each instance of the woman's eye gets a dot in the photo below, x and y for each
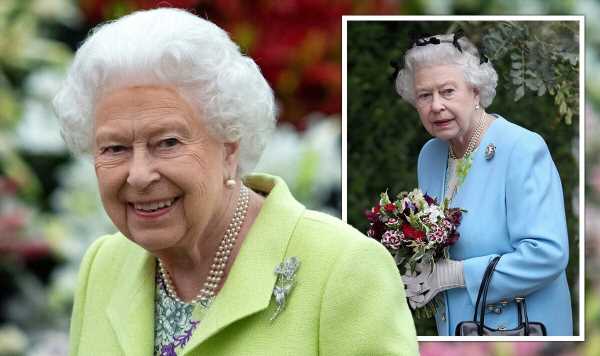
(168, 143)
(424, 96)
(114, 149)
(449, 91)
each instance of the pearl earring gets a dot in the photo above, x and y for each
(477, 107)
(230, 183)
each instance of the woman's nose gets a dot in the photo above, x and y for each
(142, 172)
(437, 103)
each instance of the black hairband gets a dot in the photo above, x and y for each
(424, 39)
(397, 65)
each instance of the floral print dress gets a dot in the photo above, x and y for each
(173, 323)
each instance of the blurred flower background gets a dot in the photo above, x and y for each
(49, 206)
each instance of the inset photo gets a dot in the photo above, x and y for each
(463, 155)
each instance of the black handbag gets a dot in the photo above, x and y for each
(478, 328)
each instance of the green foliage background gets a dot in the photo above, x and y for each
(385, 135)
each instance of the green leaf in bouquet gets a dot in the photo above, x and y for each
(412, 265)
(445, 204)
(403, 253)
(419, 253)
(384, 198)
(413, 220)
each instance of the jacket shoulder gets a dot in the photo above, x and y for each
(107, 253)
(432, 146)
(509, 133)
(333, 237)
(337, 230)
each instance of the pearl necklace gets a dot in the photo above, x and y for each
(474, 139)
(217, 269)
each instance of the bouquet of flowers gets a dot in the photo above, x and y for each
(415, 229)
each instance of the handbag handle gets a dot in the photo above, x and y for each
(483, 288)
(522, 310)
(482, 294)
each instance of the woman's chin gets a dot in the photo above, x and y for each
(445, 135)
(151, 240)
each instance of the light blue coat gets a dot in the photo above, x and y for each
(515, 209)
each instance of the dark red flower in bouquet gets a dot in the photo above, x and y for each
(390, 207)
(412, 233)
(371, 215)
(429, 200)
(452, 238)
(455, 216)
(376, 230)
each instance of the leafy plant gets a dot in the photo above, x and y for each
(544, 58)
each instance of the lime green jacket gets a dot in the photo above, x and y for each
(348, 298)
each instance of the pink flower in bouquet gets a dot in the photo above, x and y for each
(392, 239)
(392, 222)
(447, 224)
(437, 235)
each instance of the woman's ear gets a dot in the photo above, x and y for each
(476, 96)
(231, 157)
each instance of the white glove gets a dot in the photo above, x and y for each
(427, 284)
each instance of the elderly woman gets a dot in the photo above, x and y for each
(504, 176)
(207, 262)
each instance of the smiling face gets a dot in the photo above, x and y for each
(445, 102)
(160, 172)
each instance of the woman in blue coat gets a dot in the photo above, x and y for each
(504, 176)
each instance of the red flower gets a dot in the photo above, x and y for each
(376, 230)
(376, 209)
(452, 238)
(430, 200)
(390, 207)
(412, 233)
(371, 215)
(455, 216)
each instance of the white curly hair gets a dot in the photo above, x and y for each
(481, 76)
(174, 48)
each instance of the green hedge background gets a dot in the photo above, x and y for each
(385, 134)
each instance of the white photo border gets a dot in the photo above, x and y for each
(581, 155)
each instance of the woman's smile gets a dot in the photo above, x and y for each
(152, 210)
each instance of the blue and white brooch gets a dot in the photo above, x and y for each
(490, 151)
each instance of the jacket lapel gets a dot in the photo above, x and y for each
(479, 166)
(131, 308)
(436, 179)
(250, 283)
